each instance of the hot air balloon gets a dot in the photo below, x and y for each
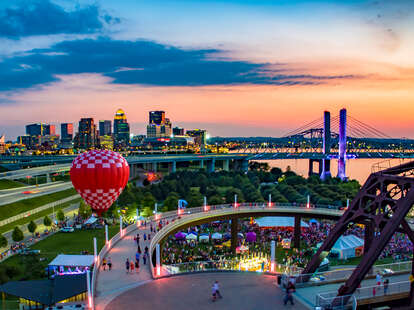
(99, 176)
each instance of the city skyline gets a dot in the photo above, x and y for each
(261, 69)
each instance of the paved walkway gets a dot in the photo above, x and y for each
(110, 284)
(244, 291)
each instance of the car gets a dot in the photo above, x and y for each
(67, 229)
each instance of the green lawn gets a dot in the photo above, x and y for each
(25, 205)
(42, 179)
(6, 184)
(30, 267)
(35, 216)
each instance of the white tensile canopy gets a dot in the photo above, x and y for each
(72, 260)
(191, 237)
(216, 236)
(278, 221)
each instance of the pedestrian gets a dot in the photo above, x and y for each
(146, 250)
(109, 262)
(127, 265)
(378, 278)
(213, 292)
(144, 258)
(386, 282)
(374, 291)
(132, 267)
(104, 264)
(145, 237)
(139, 250)
(289, 293)
(149, 237)
(137, 266)
(137, 256)
(217, 289)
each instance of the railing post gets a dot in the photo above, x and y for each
(235, 200)
(120, 225)
(88, 286)
(95, 251)
(272, 255)
(106, 234)
(157, 259)
(270, 200)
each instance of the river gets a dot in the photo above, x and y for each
(358, 169)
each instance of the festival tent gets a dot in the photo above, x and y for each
(313, 221)
(347, 246)
(204, 237)
(240, 235)
(180, 235)
(278, 221)
(216, 236)
(191, 237)
(90, 220)
(241, 249)
(251, 236)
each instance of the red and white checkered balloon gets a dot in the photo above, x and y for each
(99, 176)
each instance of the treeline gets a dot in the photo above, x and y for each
(220, 187)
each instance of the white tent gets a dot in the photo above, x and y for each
(91, 220)
(204, 238)
(73, 260)
(191, 237)
(216, 236)
(278, 221)
(346, 246)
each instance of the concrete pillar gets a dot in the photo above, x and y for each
(211, 165)
(48, 178)
(296, 234)
(88, 289)
(245, 165)
(326, 163)
(154, 167)
(106, 234)
(120, 225)
(342, 145)
(234, 231)
(173, 167)
(226, 165)
(95, 250)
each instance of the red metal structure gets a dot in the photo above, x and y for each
(381, 205)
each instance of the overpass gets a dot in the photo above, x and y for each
(147, 162)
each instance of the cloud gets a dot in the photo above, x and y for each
(142, 62)
(42, 17)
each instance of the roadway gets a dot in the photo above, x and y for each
(68, 211)
(27, 192)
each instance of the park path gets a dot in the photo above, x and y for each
(110, 284)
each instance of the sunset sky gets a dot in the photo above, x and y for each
(233, 67)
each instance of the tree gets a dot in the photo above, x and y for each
(171, 202)
(84, 210)
(148, 201)
(3, 241)
(195, 199)
(215, 200)
(32, 227)
(230, 195)
(47, 221)
(17, 234)
(60, 215)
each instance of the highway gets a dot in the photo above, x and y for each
(16, 194)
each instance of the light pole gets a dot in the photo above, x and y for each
(235, 200)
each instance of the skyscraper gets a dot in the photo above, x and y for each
(49, 130)
(121, 130)
(105, 128)
(178, 131)
(157, 117)
(86, 137)
(34, 129)
(66, 132)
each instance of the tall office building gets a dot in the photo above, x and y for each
(86, 136)
(199, 135)
(157, 117)
(158, 126)
(2, 145)
(35, 129)
(66, 132)
(105, 128)
(178, 131)
(121, 130)
(49, 130)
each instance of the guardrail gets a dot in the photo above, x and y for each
(341, 274)
(226, 265)
(329, 299)
(38, 209)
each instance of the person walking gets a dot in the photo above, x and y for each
(144, 258)
(145, 237)
(386, 282)
(132, 266)
(137, 266)
(104, 264)
(109, 262)
(217, 289)
(213, 292)
(289, 293)
(127, 265)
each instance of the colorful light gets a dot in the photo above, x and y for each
(158, 271)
